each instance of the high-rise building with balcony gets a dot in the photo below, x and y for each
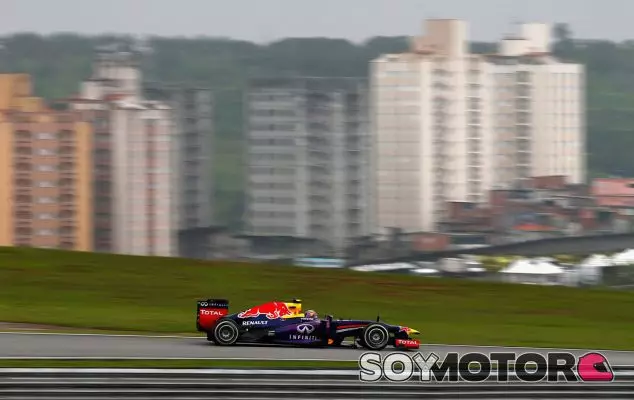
(449, 125)
(193, 108)
(135, 169)
(45, 171)
(308, 159)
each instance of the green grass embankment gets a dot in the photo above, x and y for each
(125, 293)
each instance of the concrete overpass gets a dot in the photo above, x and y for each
(580, 245)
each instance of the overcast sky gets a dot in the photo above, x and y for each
(267, 20)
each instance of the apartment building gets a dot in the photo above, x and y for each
(193, 108)
(308, 159)
(449, 125)
(134, 159)
(45, 171)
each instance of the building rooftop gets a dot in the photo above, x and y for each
(613, 187)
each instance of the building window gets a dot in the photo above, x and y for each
(45, 136)
(23, 215)
(45, 200)
(474, 145)
(523, 76)
(45, 168)
(69, 214)
(23, 231)
(23, 167)
(23, 135)
(66, 134)
(67, 230)
(66, 150)
(474, 173)
(101, 123)
(45, 216)
(66, 182)
(45, 184)
(66, 166)
(45, 152)
(44, 232)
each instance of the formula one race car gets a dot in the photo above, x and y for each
(279, 322)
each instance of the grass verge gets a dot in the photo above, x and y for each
(112, 363)
(150, 294)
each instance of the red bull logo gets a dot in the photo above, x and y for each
(272, 310)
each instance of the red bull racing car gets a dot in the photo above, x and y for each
(284, 323)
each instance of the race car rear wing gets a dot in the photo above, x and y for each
(209, 311)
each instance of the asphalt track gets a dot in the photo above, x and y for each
(58, 345)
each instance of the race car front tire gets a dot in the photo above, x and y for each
(375, 337)
(225, 333)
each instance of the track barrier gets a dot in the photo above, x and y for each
(194, 384)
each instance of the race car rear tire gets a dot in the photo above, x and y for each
(225, 333)
(375, 337)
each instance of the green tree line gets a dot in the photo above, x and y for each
(59, 62)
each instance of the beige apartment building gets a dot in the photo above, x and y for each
(45, 172)
(449, 125)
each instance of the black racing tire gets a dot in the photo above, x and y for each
(225, 333)
(375, 337)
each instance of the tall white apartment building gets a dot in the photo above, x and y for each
(135, 191)
(449, 125)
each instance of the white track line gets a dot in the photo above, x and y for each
(182, 371)
(168, 358)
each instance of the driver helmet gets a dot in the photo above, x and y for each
(310, 314)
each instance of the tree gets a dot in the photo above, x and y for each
(59, 62)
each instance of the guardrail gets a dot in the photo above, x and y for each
(194, 384)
